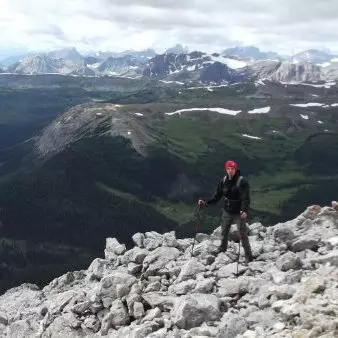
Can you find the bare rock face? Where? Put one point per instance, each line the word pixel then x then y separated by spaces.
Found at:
pixel 43 64
pixel 89 119
pixel 286 71
pixel 158 289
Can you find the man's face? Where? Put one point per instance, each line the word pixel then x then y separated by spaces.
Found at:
pixel 231 171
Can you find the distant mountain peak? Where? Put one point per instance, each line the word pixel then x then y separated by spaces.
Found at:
pixel 250 52
pixel 177 49
pixel 65 53
pixel 312 55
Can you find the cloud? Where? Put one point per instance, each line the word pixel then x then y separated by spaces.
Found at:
pixel 286 26
pixel 48 29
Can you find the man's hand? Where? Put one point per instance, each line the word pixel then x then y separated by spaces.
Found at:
pixel 244 215
pixel 201 203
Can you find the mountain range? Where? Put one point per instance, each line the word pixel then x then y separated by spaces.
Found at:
pixel 86 157
pixel 178 64
pixel 108 144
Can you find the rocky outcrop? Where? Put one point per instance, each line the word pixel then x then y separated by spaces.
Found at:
pixel 43 64
pixel 159 288
pixel 123 66
pixel 235 65
pixel 286 71
pixel 196 66
pixel 89 119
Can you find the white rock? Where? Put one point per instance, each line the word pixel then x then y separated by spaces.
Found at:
pixel 331 258
pixel 190 269
pixel 282 294
pixel 192 310
pixel 138 239
pixel 289 261
pixel 113 248
pixel 158 258
pixel 169 239
pixel 138 310
pixel 182 288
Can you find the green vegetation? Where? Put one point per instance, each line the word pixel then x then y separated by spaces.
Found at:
pixel 55 215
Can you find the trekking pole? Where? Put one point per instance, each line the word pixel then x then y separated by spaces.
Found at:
pixel 196 228
pixel 239 252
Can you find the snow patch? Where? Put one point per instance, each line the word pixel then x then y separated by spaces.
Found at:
pixel 138 114
pixel 320 122
pixel 251 136
pixel 305 117
pixel 208 87
pixel 178 82
pixel 191 68
pixel 94 65
pixel 260 82
pixel 324 85
pixel 234 64
pixel 263 110
pixel 218 110
pixel 175 71
pixel 309 104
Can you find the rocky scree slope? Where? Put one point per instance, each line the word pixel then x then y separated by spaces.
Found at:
pixel 159 289
pixel 86 120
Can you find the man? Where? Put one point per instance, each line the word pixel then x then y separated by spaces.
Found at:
pixel 235 190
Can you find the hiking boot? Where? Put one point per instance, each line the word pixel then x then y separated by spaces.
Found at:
pixel 222 248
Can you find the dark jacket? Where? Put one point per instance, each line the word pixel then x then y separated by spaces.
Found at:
pixel 236 200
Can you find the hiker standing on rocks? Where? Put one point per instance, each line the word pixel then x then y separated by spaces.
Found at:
pixel 236 192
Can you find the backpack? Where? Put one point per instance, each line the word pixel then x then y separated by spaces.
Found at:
pixel 238 181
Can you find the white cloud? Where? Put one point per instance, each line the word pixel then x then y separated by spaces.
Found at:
pixel 286 27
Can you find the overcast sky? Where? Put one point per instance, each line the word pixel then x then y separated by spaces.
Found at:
pixel 285 26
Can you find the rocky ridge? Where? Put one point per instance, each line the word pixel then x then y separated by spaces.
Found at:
pixel 159 288
pixel 38 64
pixel 199 67
pixel 87 119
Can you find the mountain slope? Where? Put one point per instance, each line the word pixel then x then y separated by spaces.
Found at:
pixel 111 168
pixel 249 53
pixel 169 287
pixel 286 71
pixel 66 53
pixel 38 64
pixel 312 55
pixel 177 64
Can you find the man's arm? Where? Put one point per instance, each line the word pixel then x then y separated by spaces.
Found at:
pixel 218 194
pixel 245 195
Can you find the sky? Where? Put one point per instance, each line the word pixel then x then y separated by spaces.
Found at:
pixel 285 26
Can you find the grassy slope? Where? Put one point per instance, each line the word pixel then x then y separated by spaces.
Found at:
pixel 278 169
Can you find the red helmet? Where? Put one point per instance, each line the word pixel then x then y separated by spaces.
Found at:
pixel 231 163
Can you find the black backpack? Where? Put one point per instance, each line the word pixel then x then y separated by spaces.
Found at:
pixel 238 182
